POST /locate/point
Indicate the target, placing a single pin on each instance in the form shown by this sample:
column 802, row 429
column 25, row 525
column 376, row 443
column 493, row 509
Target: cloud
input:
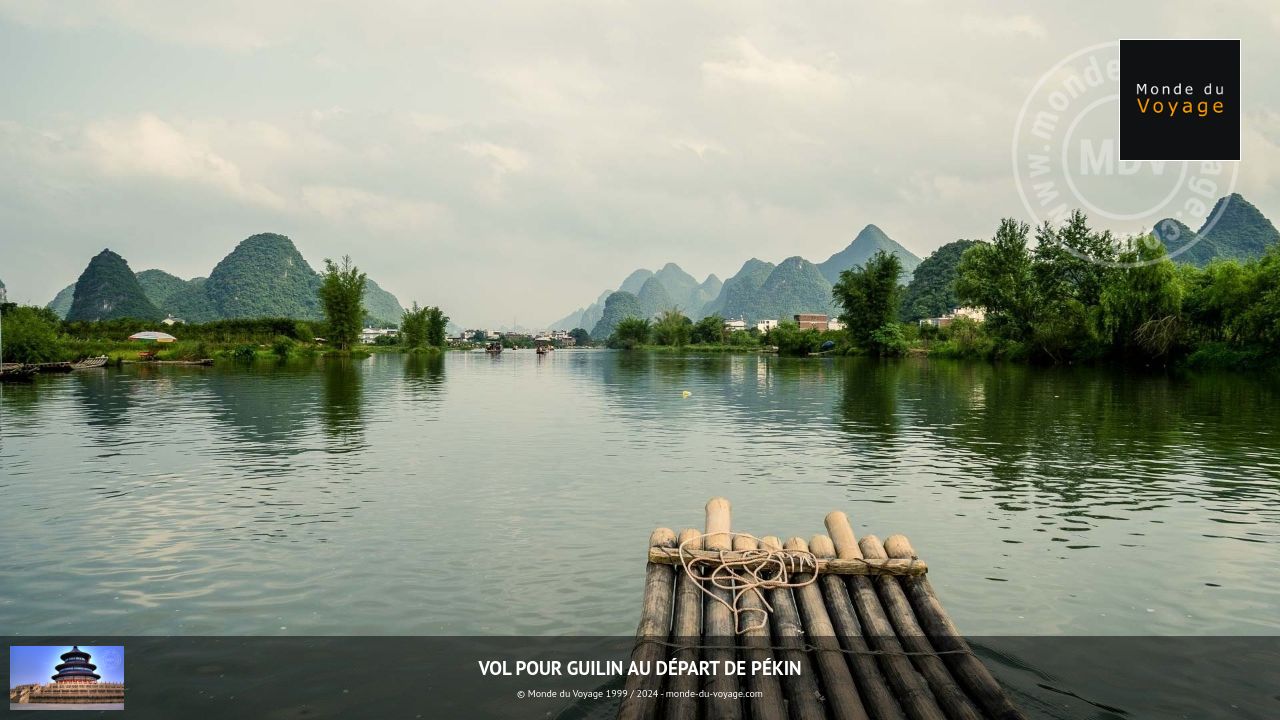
column 148, row 146
column 748, row 67
column 380, row 213
column 1003, row 26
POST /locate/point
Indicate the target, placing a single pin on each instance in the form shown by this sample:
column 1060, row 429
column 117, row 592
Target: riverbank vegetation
column 1077, row 295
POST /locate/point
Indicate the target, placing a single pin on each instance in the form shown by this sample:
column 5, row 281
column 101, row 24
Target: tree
column 869, row 296
column 791, row 340
column 1141, row 303
column 997, row 277
column 413, row 327
column 30, row 334
column 342, row 299
column 673, row 328
column 478, row 336
column 437, row 323
column 709, row 330
column 630, row 333
column 581, row 338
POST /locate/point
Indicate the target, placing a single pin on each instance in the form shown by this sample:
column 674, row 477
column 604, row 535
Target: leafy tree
column 478, row 336
column 791, row 340
column 869, row 297
column 341, row 296
column 437, row 323
column 709, row 330
column 630, row 333
column 1141, row 304
column 997, row 276
column 30, row 334
column 581, row 338
column 673, row 328
column 888, row 340
column 413, row 327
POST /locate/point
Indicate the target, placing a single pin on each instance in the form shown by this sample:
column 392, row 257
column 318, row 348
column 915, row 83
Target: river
column 369, row 497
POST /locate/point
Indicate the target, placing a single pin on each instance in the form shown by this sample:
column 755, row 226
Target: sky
column 509, row 162
column 34, row 663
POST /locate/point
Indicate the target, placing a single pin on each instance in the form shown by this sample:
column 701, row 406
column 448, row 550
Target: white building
column 735, row 325
column 766, row 325
column 835, row 324
column 171, row 320
column 975, row 314
column 369, row 336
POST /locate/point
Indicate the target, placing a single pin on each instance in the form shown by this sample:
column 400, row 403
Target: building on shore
column 75, row 682
column 811, row 321
column 835, row 324
column 974, row 314
column 369, row 336
column 765, row 326
column 735, row 325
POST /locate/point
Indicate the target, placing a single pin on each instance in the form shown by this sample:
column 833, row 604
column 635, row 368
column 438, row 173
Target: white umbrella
column 153, row 336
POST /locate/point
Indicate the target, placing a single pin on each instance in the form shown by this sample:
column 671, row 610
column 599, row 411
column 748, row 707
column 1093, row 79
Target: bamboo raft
column 859, row 617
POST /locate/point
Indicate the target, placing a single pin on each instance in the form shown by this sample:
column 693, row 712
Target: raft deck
column 858, row 618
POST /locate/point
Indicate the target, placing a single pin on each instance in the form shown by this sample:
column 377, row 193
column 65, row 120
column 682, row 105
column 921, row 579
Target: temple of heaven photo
column 76, row 682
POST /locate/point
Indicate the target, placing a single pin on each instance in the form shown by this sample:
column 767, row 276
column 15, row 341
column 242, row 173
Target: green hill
column 654, row 298
column 264, row 276
column 761, row 291
column 932, row 291
column 161, row 287
column 1240, row 232
column 381, row 306
column 868, row 241
column 635, row 281
column 795, row 286
column 61, row 303
column 617, row 307
column 741, row 290
column 107, row 290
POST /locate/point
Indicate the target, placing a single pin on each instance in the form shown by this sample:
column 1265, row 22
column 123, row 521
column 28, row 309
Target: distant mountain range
column 1241, row 232
column 760, row 290
column 264, row 276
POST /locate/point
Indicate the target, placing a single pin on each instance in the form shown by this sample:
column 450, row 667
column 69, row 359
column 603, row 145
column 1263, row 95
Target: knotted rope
column 749, row 571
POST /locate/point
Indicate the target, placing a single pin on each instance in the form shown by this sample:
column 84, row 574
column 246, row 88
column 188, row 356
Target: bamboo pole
column 655, row 623
column 686, row 632
column 717, row 620
column 907, row 684
column 945, row 689
column 756, row 643
column 879, row 700
column 966, row 666
column 835, row 566
column 802, row 690
column 841, row 693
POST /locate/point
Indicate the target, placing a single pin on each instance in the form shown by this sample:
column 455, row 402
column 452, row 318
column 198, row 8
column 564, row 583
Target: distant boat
column 494, row 348
column 92, row 362
column 543, row 349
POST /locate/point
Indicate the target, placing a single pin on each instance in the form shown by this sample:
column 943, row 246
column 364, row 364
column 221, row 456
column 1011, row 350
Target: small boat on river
column 89, row 363
column 494, row 348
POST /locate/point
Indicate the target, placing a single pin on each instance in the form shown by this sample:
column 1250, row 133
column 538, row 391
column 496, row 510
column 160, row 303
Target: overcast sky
column 510, row 162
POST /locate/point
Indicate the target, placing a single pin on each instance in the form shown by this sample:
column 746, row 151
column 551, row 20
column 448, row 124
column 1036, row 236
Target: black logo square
column 1179, row 99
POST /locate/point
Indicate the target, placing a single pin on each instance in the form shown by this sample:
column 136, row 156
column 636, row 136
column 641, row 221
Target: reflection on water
column 364, row 496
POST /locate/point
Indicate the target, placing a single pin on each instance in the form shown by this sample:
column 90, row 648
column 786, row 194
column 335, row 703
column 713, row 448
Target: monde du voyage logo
column 1180, row 100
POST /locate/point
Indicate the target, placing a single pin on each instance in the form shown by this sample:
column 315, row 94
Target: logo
column 1066, row 156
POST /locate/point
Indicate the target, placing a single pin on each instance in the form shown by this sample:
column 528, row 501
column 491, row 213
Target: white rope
column 748, row 571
